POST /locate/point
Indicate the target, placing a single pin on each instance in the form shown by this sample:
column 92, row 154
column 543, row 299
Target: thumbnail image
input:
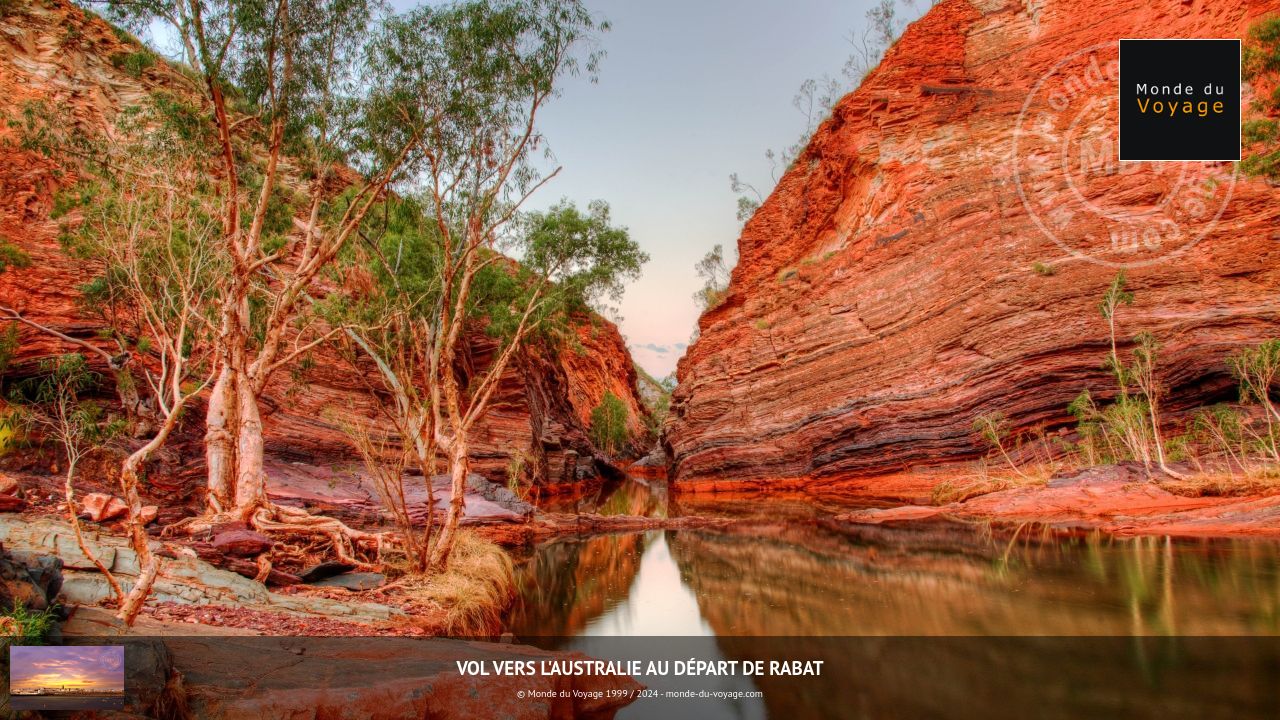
column 66, row 678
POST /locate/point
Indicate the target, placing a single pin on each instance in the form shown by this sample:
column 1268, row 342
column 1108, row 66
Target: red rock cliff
column 924, row 261
column 54, row 53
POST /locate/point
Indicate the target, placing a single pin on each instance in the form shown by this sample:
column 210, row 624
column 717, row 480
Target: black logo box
column 1185, row 64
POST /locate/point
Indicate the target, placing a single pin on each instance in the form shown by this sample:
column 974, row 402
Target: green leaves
column 1115, row 296
column 1262, row 57
column 582, row 253
column 609, row 424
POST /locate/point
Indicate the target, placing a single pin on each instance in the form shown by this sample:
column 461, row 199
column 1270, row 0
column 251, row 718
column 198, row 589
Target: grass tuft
column 473, row 593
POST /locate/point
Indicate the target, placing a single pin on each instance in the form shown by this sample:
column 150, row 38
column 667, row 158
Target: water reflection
column 628, row 496
column 788, row 582
column 791, row 574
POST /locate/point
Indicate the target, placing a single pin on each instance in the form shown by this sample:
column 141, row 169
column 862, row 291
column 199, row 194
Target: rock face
column 53, row 52
column 924, row 261
column 184, row 578
column 30, row 580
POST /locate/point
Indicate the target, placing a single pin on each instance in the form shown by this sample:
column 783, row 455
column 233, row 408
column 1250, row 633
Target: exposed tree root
column 271, row 518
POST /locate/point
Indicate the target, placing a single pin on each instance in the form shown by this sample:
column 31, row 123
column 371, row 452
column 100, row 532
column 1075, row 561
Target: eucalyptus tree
column 151, row 236
column 55, row 402
column 477, row 76
column 569, row 260
column 144, row 227
column 283, row 84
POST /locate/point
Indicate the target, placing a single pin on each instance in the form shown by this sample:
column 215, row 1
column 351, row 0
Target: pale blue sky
column 689, row 92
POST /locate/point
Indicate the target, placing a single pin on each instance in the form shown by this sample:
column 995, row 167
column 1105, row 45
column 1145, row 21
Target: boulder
column 354, row 581
column 101, row 507
column 11, row 503
column 148, row 514
column 316, row 573
column 242, row 543
column 28, row 579
column 499, row 495
column 8, row 485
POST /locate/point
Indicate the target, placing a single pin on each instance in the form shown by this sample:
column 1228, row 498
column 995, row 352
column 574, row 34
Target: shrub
column 22, row 626
column 133, row 64
column 1044, row 269
column 609, row 424
column 12, row 256
column 994, row 429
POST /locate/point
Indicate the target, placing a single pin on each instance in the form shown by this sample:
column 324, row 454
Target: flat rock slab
column 354, row 581
column 182, row 579
column 486, row 502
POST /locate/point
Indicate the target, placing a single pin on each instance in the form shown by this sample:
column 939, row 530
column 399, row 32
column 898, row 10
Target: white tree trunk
column 251, row 491
column 459, row 468
column 220, row 442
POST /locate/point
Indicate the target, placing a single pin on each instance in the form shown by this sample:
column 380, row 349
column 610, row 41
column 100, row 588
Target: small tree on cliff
column 146, row 231
column 568, row 258
column 55, row 403
column 714, row 272
column 1262, row 61
column 609, row 423
column 1132, row 420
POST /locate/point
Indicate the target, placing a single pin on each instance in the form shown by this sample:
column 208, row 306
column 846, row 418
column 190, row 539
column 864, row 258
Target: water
column 761, row 588
column 63, row 703
column 788, row 575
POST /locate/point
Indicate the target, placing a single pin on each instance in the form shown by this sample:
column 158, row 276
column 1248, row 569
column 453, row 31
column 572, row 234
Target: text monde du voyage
column 1180, row 99
column 691, row 667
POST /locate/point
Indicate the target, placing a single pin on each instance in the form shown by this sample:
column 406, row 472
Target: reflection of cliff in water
column 954, row 580
column 624, row 496
column 808, row 583
column 568, row 583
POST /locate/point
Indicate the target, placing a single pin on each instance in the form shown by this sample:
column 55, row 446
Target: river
column 791, row 581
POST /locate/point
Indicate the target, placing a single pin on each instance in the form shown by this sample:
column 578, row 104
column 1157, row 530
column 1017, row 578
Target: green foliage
column 23, row 626
column 1257, row 369
column 68, row 374
column 1262, row 57
column 8, row 346
column 609, row 424
column 12, row 256
column 55, row 400
column 1221, row 428
column 135, row 63
column 1044, row 269
column 993, row 427
column 1115, row 296
column 584, row 255
column 714, row 272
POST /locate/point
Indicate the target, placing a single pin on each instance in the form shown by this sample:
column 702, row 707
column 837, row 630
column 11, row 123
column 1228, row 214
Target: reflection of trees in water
column 628, row 496
column 568, row 583
column 810, row 581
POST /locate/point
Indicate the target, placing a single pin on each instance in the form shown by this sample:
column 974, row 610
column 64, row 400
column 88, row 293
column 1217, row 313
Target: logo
column 1180, row 100
column 1078, row 192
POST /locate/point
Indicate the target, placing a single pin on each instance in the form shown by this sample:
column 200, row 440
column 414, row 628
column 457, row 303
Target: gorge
column 980, row 406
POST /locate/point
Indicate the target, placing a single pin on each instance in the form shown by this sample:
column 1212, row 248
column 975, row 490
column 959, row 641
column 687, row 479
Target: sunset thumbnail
column 65, row 677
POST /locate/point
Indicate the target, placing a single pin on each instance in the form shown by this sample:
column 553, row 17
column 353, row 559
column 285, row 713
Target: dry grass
column 471, row 596
column 984, row 481
column 1258, row 480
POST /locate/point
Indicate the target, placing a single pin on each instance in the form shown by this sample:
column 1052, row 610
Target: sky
column 688, row 92
column 99, row 667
